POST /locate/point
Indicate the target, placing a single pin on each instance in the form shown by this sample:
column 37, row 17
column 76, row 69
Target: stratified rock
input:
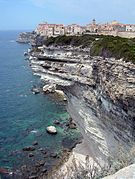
column 51, row 130
column 101, row 99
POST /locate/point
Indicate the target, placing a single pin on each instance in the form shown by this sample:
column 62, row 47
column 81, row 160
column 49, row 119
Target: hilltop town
column 113, row 28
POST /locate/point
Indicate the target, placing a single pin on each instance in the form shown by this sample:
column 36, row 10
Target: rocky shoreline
column 34, row 157
column 100, row 93
column 30, row 38
column 39, row 162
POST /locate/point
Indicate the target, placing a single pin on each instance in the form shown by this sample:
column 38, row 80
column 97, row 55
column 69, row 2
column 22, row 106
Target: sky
column 26, row 14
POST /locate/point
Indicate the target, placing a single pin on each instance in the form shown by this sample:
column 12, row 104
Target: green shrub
column 106, row 46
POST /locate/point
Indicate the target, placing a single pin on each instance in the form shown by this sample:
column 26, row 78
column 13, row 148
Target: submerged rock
column 33, row 177
column 70, row 143
column 35, row 143
column 31, row 155
column 30, row 148
column 40, row 163
column 51, row 130
column 71, row 125
column 44, row 152
column 57, row 122
column 4, row 171
column 35, row 90
column 44, row 170
column 53, row 155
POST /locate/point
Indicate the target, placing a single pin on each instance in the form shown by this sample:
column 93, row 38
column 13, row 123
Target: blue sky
column 26, row 14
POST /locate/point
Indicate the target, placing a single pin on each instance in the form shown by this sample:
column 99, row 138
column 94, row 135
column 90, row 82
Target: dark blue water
column 24, row 116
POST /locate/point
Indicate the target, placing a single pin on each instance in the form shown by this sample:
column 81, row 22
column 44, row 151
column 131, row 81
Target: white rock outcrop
column 51, row 130
column 50, row 88
column 125, row 173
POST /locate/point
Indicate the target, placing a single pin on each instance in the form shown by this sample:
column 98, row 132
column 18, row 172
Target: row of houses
column 49, row 30
column 54, row 30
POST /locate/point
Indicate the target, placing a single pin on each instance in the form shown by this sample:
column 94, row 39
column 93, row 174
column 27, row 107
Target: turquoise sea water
column 24, row 116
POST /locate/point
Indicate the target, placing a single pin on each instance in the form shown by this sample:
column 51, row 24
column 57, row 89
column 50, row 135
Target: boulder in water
column 71, row 124
column 35, row 143
column 53, row 155
column 40, row 163
column 31, row 155
column 35, row 90
column 57, row 122
column 49, row 88
column 30, row 148
column 44, row 170
column 51, row 130
column 60, row 95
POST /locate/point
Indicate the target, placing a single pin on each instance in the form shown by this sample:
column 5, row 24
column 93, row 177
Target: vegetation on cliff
column 84, row 41
column 106, row 46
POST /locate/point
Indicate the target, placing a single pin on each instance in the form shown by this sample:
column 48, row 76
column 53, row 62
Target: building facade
column 50, row 30
column 130, row 28
column 73, row 29
column 54, row 30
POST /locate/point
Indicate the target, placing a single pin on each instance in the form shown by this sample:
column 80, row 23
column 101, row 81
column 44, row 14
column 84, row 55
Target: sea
column 25, row 116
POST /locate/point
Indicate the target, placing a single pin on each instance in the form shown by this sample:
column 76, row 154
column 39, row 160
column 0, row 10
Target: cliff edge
column 101, row 95
column 101, row 99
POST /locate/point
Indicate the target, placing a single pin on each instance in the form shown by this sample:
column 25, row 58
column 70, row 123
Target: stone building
column 73, row 29
column 50, row 30
column 114, row 28
column 130, row 28
column 92, row 27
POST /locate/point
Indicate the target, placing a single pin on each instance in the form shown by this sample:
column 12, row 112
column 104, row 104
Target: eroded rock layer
column 101, row 98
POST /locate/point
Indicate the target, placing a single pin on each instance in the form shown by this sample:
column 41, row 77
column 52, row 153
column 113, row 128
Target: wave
column 12, row 41
column 34, row 131
column 23, row 95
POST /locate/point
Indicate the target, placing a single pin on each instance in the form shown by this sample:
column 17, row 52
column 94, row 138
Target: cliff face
column 26, row 37
column 101, row 99
column 105, row 107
